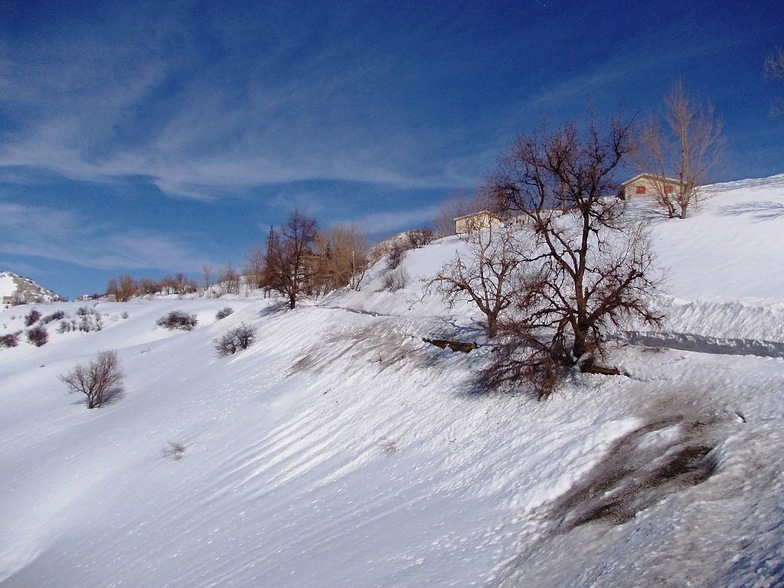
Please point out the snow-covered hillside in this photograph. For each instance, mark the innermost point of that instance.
(19, 289)
(342, 450)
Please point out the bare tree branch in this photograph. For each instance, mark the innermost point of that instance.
(774, 70)
(586, 267)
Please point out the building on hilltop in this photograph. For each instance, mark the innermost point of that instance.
(476, 221)
(648, 185)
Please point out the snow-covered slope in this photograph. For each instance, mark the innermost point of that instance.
(342, 450)
(725, 264)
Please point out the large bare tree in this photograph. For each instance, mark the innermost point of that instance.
(288, 254)
(684, 145)
(587, 266)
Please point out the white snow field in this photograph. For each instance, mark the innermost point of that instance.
(342, 450)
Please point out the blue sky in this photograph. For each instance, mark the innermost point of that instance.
(157, 137)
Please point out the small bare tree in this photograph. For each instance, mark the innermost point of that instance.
(100, 380)
(486, 275)
(229, 280)
(122, 288)
(342, 257)
(254, 268)
(774, 70)
(148, 286)
(587, 266)
(184, 285)
(684, 147)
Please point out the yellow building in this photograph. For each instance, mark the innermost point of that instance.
(476, 221)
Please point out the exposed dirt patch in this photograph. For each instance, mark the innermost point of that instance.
(452, 345)
(641, 468)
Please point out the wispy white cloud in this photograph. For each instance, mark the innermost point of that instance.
(58, 235)
(388, 222)
(114, 106)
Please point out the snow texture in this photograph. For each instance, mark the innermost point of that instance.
(342, 450)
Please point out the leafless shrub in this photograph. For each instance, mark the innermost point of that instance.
(178, 320)
(55, 316)
(10, 340)
(37, 336)
(174, 451)
(397, 252)
(32, 317)
(395, 280)
(236, 340)
(418, 238)
(100, 381)
(223, 313)
(88, 319)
